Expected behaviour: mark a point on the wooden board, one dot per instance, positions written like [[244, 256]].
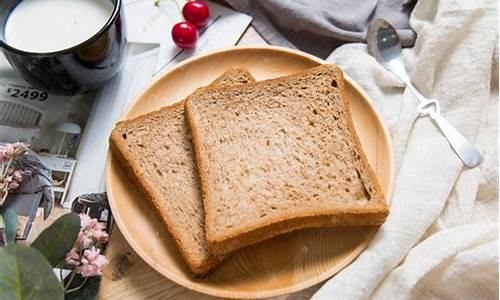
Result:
[[284, 264]]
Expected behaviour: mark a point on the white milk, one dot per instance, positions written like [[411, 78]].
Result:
[[52, 25]]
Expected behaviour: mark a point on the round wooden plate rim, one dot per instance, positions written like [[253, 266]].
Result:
[[243, 294]]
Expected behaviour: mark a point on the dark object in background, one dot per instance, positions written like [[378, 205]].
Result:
[[97, 206], [83, 67], [89, 290], [320, 26], [39, 180]]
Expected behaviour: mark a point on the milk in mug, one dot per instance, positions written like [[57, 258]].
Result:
[[42, 26]]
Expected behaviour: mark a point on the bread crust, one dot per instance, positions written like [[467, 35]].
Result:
[[221, 243], [134, 173], [283, 226]]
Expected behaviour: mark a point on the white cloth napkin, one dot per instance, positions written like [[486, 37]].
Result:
[[440, 240]]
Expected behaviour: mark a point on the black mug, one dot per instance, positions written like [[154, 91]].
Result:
[[83, 67]]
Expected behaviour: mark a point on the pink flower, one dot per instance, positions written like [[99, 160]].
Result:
[[10, 171], [83, 240], [92, 263], [79, 238], [90, 255], [88, 270], [7, 151], [101, 236], [85, 221], [72, 257], [10, 178], [91, 232], [11, 181], [93, 225], [18, 175], [13, 185], [101, 261], [11, 151], [19, 149]]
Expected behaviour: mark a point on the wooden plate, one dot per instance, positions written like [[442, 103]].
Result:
[[284, 264]]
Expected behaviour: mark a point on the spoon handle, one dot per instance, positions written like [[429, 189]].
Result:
[[467, 152]]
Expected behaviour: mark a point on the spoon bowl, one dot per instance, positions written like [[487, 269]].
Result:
[[383, 41], [384, 44]]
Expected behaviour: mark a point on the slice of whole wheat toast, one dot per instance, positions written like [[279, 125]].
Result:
[[156, 153], [280, 155]]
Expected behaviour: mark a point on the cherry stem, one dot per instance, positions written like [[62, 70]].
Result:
[[158, 2]]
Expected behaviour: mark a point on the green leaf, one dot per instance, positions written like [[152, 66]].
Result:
[[56, 240], [10, 219], [25, 274]]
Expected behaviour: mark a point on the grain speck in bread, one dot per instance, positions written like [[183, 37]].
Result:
[[280, 155], [155, 151]]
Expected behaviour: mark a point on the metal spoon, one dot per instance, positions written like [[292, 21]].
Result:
[[384, 45]]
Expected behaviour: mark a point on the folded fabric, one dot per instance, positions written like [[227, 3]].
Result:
[[440, 239], [456, 263], [320, 26]]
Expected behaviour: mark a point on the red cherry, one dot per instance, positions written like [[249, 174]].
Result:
[[185, 35], [196, 12]]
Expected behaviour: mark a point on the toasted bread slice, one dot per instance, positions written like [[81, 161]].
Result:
[[155, 151], [280, 155]]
